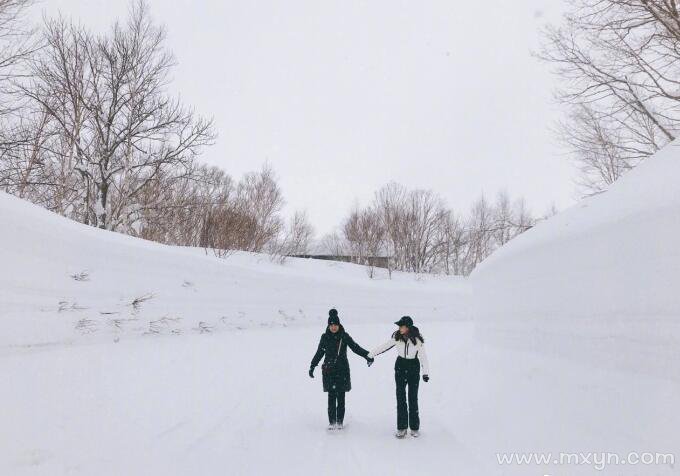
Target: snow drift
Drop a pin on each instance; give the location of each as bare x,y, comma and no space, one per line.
63,281
599,282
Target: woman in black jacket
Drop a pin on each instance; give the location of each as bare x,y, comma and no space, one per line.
335,368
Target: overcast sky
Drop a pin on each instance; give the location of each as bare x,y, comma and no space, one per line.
343,96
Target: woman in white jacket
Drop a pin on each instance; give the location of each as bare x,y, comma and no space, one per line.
411,357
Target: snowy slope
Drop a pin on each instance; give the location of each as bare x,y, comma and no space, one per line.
599,282
63,281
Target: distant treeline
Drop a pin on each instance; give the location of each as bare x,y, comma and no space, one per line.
420,234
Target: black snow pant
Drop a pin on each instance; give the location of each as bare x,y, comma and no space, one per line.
336,407
407,374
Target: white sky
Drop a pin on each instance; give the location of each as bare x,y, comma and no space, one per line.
343,96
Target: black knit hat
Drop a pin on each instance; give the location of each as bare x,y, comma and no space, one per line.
333,317
405,321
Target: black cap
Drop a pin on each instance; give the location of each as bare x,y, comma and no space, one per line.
333,317
405,321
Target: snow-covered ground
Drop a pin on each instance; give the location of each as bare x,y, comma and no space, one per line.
241,402
127,357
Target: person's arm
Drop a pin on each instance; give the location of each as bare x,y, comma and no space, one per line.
424,363
356,348
320,351
382,348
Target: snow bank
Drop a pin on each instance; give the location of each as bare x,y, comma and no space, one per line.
62,281
600,281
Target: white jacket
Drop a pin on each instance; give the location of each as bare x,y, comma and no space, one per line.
405,349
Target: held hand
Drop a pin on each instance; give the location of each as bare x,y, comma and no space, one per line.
426,378
369,361
311,372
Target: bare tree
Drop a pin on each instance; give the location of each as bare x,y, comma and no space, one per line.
411,221
523,218
389,201
113,122
295,240
453,245
374,236
261,200
364,234
194,210
598,142
480,227
300,234
17,42
420,223
502,229
334,244
619,65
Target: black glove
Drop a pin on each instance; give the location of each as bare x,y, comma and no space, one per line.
311,372
426,378
369,361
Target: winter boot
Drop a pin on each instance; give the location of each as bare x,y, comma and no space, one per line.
400,434
332,426
415,433
339,426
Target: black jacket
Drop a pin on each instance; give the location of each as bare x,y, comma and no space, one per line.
334,347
